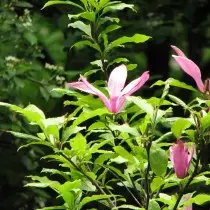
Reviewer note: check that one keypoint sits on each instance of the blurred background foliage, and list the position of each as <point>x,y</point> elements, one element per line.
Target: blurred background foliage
<point>35,56</point>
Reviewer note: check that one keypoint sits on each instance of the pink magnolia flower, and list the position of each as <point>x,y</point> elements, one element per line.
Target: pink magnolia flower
<point>180,158</point>
<point>116,89</point>
<point>189,67</point>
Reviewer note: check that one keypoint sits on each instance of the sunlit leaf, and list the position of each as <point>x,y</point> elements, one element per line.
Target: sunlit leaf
<point>137,38</point>
<point>179,126</point>
<point>81,26</point>
<point>50,3</point>
<point>158,160</point>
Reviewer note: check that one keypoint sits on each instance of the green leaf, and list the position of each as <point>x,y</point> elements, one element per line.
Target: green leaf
<point>53,208</point>
<point>90,114</point>
<point>125,128</point>
<point>156,183</point>
<point>70,131</point>
<point>179,126</point>
<point>205,121</point>
<point>50,3</point>
<point>69,186</point>
<point>86,15</point>
<point>24,136</point>
<point>166,199</point>
<point>125,206</point>
<point>143,104</point>
<point>137,38</point>
<point>33,113</point>
<point>87,43</point>
<point>198,199</point>
<point>119,6</point>
<point>78,142</point>
<point>111,28</point>
<point>82,27</point>
<point>65,175</point>
<point>131,66</point>
<point>153,205</point>
<point>43,182</point>
<point>175,83</point>
<point>118,60</point>
<point>158,160</point>
<point>125,154</point>
<point>97,125</point>
<point>178,101</point>
<point>93,198</point>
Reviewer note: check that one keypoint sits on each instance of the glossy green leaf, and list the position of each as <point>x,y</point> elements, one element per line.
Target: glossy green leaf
<point>78,142</point>
<point>166,199</point>
<point>51,3</point>
<point>158,160</point>
<point>85,15</point>
<point>125,154</point>
<point>68,132</point>
<point>156,183</point>
<point>125,128</point>
<point>143,104</point>
<point>24,136</point>
<point>90,114</point>
<point>81,26</point>
<point>137,38</point>
<point>118,6</point>
<point>87,43</point>
<point>175,83</point>
<point>53,208</point>
<point>42,182</point>
<point>153,205</point>
<point>205,121</point>
<point>93,198</point>
<point>126,206</point>
<point>179,126</point>
<point>178,101</point>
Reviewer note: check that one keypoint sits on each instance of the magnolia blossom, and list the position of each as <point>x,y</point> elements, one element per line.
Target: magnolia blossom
<point>116,89</point>
<point>189,67</point>
<point>180,158</point>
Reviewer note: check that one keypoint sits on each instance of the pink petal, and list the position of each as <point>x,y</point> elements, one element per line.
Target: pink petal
<point>179,158</point>
<point>117,80</point>
<point>81,86</point>
<point>135,84</point>
<point>178,51</point>
<point>188,207</point>
<point>116,103</point>
<point>96,92</point>
<point>191,69</point>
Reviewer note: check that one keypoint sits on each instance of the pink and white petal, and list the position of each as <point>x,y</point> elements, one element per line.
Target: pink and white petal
<point>81,86</point>
<point>117,80</point>
<point>178,51</point>
<point>180,156</point>
<point>135,84</point>
<point>117,103</point>
<point>191,69</point>
<point>97,92</point>
<point>121,100</point>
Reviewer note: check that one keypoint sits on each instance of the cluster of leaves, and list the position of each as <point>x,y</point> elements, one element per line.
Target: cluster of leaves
<point>25,78</point>
<point>119,160</point>
<point>94,19</point>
